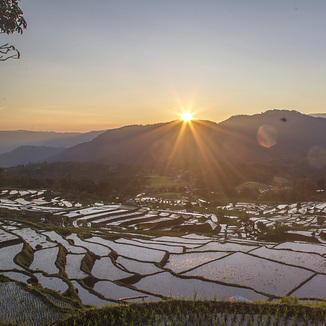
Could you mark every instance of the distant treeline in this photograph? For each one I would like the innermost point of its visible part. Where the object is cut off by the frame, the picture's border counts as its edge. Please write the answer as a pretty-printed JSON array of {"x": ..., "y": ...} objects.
[
  {"x": 286, "y": 181},
  {"x": 93, "y": 181}
]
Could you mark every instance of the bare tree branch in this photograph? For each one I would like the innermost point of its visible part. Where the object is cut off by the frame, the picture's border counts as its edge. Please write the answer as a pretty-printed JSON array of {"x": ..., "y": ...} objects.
[
  {"x": 11, "y": 20},
  {"x": 8, "y": 52}
]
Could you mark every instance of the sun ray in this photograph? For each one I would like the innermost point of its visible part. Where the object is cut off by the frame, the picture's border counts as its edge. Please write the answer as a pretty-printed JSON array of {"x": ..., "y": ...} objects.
[
  {"x": 176, "y": 144},
  {"x": 188, "y": 144},
  {"x": 223, "y": 162}
]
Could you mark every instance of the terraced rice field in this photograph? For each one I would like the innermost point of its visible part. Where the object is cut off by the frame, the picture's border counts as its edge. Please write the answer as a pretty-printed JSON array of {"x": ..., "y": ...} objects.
[
  {"x": 108, "y": 265},
  {"x": 215, "y": 265}
]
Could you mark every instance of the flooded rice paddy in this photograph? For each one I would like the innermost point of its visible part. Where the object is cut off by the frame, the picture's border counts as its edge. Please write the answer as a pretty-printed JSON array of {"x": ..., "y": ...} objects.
[{"x": 138, "y": 267}]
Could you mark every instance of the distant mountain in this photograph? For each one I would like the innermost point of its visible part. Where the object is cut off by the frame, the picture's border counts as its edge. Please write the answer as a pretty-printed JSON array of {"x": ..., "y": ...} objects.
[
  {"x": 320, "y": 115},
  {"x": 10, "y": 140},
  {"x": 28, "y": 154},
  {"x": 267, "y": 137}
]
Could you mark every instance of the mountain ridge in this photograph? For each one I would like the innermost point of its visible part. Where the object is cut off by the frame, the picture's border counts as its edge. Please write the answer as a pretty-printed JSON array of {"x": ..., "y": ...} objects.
[
  {"x": 12, "y": 139},
  {"x": 266, "y": 137}
]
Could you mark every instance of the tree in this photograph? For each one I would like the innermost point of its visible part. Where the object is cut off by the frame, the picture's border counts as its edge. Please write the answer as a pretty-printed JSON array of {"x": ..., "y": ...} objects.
[
  {"x": 1, "y": 175},
  {"x": 11, "y": 20},
  {"x": 305, "y": 189}
]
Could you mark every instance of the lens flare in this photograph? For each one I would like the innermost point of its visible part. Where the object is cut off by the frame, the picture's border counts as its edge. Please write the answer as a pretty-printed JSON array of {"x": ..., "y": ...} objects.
[
  {"x": 316, "y": 157},
  {"x": 267, "y": 136}
]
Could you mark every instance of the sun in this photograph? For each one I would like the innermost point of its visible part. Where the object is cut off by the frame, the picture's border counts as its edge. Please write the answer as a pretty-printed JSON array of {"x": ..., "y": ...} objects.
[{"x": 186, "y": 116}]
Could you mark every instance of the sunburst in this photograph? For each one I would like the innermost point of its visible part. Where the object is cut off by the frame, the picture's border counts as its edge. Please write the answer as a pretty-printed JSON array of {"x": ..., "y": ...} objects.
[{"x": 186, "y": 116}]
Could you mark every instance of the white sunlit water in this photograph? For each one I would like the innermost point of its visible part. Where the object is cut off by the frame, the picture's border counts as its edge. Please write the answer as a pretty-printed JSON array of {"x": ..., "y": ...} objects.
[
  {"x": 53, "y": 283},
  {"x": 249, "y": 271},
  {"x": 181, "y": 241},
  {"x": 34, "y": 238},
  {"x": 185, "y": 262},
  {"x": 103, "y": 213},
  {"x": 44, "y": 260},
  {"x": 111, "y": 290},
  {"x": 138, "y": 267},
  {"x": 170, "y": 248},
  {"x": 96, "y": 248},
  {"x": 314, "y": 288},
  {"x": 89, "y": 298},
  {"x": 20, "y": 277},
  {"x": 138, "y": 253},
  {"x": 136, "y": 221},
  {"x": 59, "y": 239},
  {"x": 114, "y": 217},
  {"x": 92, "y": 210},
  {"x": 6, "y": 236},
  {"x": 22, "y": 201},
  {"x": 7, "y": 255},
  {"x": 271, "y": 269},
  {"x": 73, "y": 263},
  {"x": 311, "y": 261},
  {"x": 105, "y": 269},
  {"x": 168, "y": 285},
  {"x": 228, "y": 246},
  {"x": 303, "y": 246}
]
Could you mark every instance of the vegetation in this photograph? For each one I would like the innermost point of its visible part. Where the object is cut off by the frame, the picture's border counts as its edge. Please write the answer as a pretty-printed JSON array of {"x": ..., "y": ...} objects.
[
  {"x": 36, "y": 220},
  {"x": 11, "y": 20},
  {"x": 27, "y": 305},
  {"x": 89, "y": 182},
  {"x": 202, "y": 312},
  {"x": 166, "y": 184},
  {"x": 84, "y": 182},
  {"x": 61, "y": 260},
  {"x": 25, "y": 257},
  {"x": 88, "y": 262},
  {"x": 169, "y": 312}
]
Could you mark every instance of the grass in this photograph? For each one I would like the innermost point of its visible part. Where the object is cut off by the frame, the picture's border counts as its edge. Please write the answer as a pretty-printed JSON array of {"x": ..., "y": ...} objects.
[
  {"x": 32, "y": 305},
  {"x": 61, "y": 263},
  {"x": 88, "y": 262},
  {"x": 202, "y": 312},
  {"x": 61, "y": 260},
  {"x": 35, "y": 220},
  {"x": 25, "y": 257},
  {"x": 157, "y": 181}
]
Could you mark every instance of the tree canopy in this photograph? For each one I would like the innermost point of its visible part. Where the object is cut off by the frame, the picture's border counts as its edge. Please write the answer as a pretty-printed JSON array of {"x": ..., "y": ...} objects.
[{"x": 11, "y": 20}]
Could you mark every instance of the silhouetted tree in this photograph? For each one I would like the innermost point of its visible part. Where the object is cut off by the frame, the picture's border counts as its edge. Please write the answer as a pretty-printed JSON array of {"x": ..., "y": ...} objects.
[
  {"x": 305, "y": 189},
  {"x": 1, "y": 175},
  {"x": 11, "y": 20}
]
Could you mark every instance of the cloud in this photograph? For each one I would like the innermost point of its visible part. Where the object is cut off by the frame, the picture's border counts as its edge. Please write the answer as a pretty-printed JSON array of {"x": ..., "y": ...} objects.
[{"x": 2, "y": 108}]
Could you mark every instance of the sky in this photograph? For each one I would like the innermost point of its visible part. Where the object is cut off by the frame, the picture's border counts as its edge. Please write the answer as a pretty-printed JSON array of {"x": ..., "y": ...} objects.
[{"x": 102, "y": 64}]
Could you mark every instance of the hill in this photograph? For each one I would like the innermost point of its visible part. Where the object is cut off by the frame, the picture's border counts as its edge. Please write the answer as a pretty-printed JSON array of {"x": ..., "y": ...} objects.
[
  {"x": 262, "y": 138},
  {"x": 320, "y": 115},
  {"x": 28, "y": 154},
  {"x": 11, "y": 139}
]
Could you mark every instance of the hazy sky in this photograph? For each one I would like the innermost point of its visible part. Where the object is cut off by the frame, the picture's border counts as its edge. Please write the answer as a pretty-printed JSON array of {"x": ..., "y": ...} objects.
[{"x": 91, "y": 65}]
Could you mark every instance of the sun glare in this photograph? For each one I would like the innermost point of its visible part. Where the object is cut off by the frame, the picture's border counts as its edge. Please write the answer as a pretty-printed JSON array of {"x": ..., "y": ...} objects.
[{"x": 186, "y": 116}]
